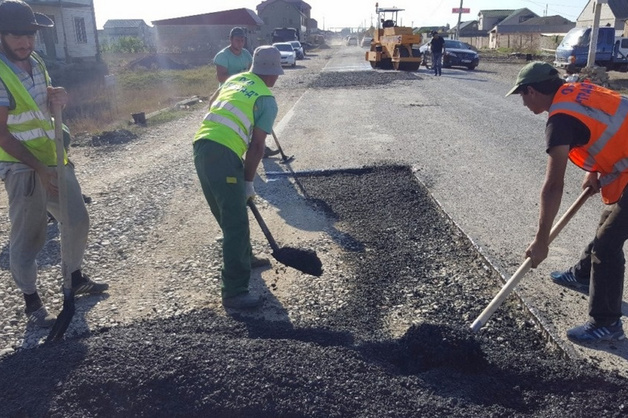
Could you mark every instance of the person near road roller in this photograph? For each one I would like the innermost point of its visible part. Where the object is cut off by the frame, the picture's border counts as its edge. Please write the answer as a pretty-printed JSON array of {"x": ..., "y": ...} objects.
[
  {"x": 588, "y": 125},
  {"x": 228, "y": 148},
  {"x": 28, "y": 159},
  {"x": 437, "y": 48},
  {"x": 235, "y": 59}
]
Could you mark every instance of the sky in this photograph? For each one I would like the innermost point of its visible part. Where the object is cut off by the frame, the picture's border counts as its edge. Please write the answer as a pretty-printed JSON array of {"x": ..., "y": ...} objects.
[{"x": 336, "y": 14}]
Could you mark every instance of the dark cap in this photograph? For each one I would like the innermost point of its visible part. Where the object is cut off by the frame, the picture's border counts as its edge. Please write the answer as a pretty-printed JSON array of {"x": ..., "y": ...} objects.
[
  {"x": 434, "y": 32},
  {"x": 237, "y": 32},
  {"x": 15, "y": 15},
  {"x": 534, "y": 72}
]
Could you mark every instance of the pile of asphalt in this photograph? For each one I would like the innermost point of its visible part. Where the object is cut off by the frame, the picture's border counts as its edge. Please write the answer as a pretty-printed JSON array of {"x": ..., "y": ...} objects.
[{"x": 410, "y": 260}]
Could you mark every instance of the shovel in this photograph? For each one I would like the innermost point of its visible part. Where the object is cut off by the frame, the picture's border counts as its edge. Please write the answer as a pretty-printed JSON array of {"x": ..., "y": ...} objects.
[
  {"x": 284, "y": 158},
  {"x": 66, "y": 314},
  {"x": 303, "y": 260},
  {"x": 527, "y": 264}
]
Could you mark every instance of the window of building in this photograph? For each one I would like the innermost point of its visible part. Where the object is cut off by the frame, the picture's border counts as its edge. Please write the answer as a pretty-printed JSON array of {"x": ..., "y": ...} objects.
[{"x": 79, "y": 30}]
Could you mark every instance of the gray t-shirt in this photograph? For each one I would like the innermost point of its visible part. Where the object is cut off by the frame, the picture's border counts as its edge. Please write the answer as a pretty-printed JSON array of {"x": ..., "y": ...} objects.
[{"x": 265, "y": 112}]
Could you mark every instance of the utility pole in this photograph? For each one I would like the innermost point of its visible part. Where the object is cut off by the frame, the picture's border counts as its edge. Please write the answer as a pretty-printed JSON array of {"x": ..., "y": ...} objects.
[
  {"x": 459, "y": 18},
  {"x": 597, "y": 8}
]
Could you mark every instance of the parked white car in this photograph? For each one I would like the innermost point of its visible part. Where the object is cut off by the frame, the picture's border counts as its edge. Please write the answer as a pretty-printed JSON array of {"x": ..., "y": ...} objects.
[{"x": 288, "y": 55}]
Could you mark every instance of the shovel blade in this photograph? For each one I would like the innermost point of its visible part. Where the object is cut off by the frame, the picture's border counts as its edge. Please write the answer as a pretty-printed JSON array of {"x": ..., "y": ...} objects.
[{"x": 303, "y": 260}]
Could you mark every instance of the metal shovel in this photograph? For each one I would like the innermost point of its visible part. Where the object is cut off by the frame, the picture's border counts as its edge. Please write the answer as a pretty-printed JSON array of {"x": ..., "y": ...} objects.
[
  {"x": 303, "y": 260},
  {"x": 527, "y": 264},
  {"x": 284, "y": 158}
]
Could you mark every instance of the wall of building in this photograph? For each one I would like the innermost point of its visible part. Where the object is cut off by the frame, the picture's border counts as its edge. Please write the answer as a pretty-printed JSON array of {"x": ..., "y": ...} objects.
[
  {"x": 67, "y": 43},
  {"x": 204, "y": 39},
  {"x": 281, "y": 15}
]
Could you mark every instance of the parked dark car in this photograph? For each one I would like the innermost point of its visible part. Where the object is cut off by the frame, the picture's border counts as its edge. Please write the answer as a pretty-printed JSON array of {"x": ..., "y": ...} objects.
[{"x": 457, "y": 54}]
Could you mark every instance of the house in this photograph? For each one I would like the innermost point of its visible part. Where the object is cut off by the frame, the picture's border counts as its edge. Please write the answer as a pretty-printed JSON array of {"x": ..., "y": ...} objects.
[
  {"x": 614, "y": 14},
  {"x": 527, "y": 33},
  {"x": 206, "y": 33},
  {"x": 509, "y": 25},
  {"x": 284, "y": 14},
  {"x": 487, "y": 19},
  {"x": 73, "y": 39},
  {"x": 426, "y": 32},
  {"x": 115, "y": 29},
  {"x": 471, "y": 34}
]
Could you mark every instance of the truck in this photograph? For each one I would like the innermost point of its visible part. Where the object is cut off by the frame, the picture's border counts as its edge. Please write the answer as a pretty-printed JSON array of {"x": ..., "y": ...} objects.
[
  {"x": 285, "y": 35},
  {"x": 611, "y": 51}
]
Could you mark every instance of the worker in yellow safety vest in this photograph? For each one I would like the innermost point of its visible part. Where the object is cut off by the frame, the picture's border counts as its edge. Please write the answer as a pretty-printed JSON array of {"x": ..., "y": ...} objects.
[
  {"x": 588, "y": 125},
  {"x": 28, "y": 159},
  {"x": 238, "y": 121}
]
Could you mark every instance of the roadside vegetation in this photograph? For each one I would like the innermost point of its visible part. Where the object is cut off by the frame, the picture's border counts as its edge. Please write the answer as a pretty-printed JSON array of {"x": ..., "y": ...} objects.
[{"x": 96, "y": 108}]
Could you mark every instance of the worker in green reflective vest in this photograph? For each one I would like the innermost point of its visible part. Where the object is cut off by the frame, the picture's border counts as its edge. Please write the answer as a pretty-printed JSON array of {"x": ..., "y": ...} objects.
[{"x": 228, "y": 148}]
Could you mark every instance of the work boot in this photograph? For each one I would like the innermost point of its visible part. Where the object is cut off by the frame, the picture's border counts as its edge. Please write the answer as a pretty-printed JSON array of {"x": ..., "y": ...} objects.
[
  {"x": 269, "y": 152},
  {"x": 40, "y": 318},
  {"x": 82, "y": 284},
  {"x": 257, "y": 262},
  {"x": 242, "y": 301}
]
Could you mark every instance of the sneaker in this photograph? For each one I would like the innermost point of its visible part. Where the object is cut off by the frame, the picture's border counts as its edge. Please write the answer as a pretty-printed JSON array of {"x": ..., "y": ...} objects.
[
  {"x": 257, "y": 262},
  {"x": 86, "y": 285},
  {"x": 568, "y": 279},
  {"x": 40, "y": 318},
  {"x": 242, "y": 301},
  {"x": 590, "y": 332}
]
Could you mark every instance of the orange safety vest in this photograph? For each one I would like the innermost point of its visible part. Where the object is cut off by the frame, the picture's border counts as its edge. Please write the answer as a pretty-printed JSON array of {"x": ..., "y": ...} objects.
[{"x": 605, "y": 113}]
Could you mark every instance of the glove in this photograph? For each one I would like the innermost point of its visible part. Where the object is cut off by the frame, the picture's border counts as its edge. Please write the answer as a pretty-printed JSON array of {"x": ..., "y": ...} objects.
[{"x": 249, "y": 190}]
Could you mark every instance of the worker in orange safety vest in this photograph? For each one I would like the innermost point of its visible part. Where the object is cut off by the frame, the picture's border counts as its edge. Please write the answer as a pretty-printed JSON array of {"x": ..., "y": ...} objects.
[{"x": 588, "y": 125}]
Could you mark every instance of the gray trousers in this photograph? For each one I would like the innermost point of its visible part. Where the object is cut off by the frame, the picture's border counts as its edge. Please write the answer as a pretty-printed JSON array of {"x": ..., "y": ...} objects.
[{"x": 28, "y": 204}]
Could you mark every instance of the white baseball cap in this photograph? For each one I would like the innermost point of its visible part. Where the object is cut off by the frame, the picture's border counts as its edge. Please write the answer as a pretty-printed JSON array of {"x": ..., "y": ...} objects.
[{"x": 267, "y": 61}]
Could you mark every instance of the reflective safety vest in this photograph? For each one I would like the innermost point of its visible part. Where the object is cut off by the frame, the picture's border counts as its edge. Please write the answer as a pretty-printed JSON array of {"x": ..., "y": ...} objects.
[
  {"x": 26, "y": 122},
  {"x": 605, "y": 113},
  {"x": 230, "y": 119}
]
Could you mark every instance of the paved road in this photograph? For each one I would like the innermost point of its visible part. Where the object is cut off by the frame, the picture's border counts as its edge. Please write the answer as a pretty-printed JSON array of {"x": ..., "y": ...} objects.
[{"x": 481, "y": 155}]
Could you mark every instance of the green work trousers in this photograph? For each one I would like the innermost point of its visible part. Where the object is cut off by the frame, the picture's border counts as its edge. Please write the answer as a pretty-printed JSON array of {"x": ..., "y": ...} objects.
[{"x": 221, "y": 173}]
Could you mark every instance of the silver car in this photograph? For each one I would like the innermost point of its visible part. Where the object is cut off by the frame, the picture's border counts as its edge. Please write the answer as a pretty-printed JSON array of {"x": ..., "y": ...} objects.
[{"x": 298, "y": 49}]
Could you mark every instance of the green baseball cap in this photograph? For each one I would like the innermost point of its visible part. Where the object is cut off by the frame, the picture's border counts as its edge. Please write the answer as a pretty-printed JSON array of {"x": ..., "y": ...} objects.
[{"x": 534, "y": 72}]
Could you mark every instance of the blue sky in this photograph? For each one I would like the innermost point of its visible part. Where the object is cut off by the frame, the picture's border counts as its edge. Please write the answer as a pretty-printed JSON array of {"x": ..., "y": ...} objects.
[{"x": 337, "y": 13}]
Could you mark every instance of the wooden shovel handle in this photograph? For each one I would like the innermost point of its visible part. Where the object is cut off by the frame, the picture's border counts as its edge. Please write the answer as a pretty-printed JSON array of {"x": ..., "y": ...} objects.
[
  {"x": 62, "y": 186},
  {"x": 262, "y": 225},
  {"x": 527, "y": 264}
]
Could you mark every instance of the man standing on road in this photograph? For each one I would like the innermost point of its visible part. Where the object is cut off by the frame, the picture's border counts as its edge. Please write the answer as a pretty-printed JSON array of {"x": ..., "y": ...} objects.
[
  {"x": 28, "y": 159},
  {"x": 237, "y": 124},
  {"x": 588, "y": 125},
  {"x": 235, "y": 59},
  {"x": 437, "y": 47}
]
